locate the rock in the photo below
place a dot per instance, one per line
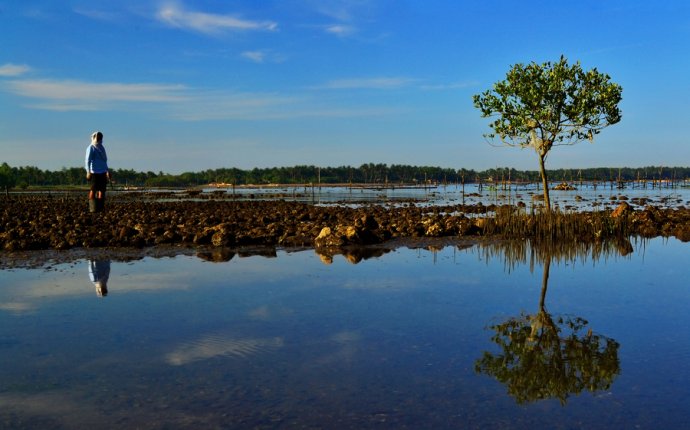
(622, 209)
(326, 238)
(682, 233)
(345, 235)
(465, 227)
(349, 233)
(204, 237)
(369, 222)
(433, 228)
(483, 224)
(32, 222)
(329, 238)
(564, 186)
(126, 232)
(222, 238)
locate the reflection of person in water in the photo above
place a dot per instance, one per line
(99, 272)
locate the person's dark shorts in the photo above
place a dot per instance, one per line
(99, 182)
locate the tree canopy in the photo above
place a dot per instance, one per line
(7, 179)
(549, 104)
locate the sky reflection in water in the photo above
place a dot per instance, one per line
(392, 342)
(587, 196)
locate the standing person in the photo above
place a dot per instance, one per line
(97, 172)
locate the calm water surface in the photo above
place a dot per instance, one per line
(586, 196)
(413, 338)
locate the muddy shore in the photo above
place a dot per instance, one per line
(62, 222)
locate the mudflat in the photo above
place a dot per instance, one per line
(62, 221)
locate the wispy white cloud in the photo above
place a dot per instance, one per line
(213, 105)
(380, 83)
(255, 56)
(346, 15)
(13, 70)
(390, 83)
(341, 30)
(175, 15)
(291, 112)
(262, 56)
(210, 106)
(99, 15)
(184, 103)
(341, 10)
(65, 95)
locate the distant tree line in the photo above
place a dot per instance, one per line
(370, 173)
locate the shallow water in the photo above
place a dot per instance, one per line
(392, 342)
(586, 196)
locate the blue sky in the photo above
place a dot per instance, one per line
(191, 85)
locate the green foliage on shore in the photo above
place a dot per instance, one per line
(29, 176)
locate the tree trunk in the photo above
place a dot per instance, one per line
(545, 183)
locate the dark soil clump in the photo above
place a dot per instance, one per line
(58, 222)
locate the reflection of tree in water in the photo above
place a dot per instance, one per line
(528, 252)
(544, 356)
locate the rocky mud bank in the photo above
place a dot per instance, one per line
(45, 222)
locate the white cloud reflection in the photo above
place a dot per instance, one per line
(17, 307)
(211, 346)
